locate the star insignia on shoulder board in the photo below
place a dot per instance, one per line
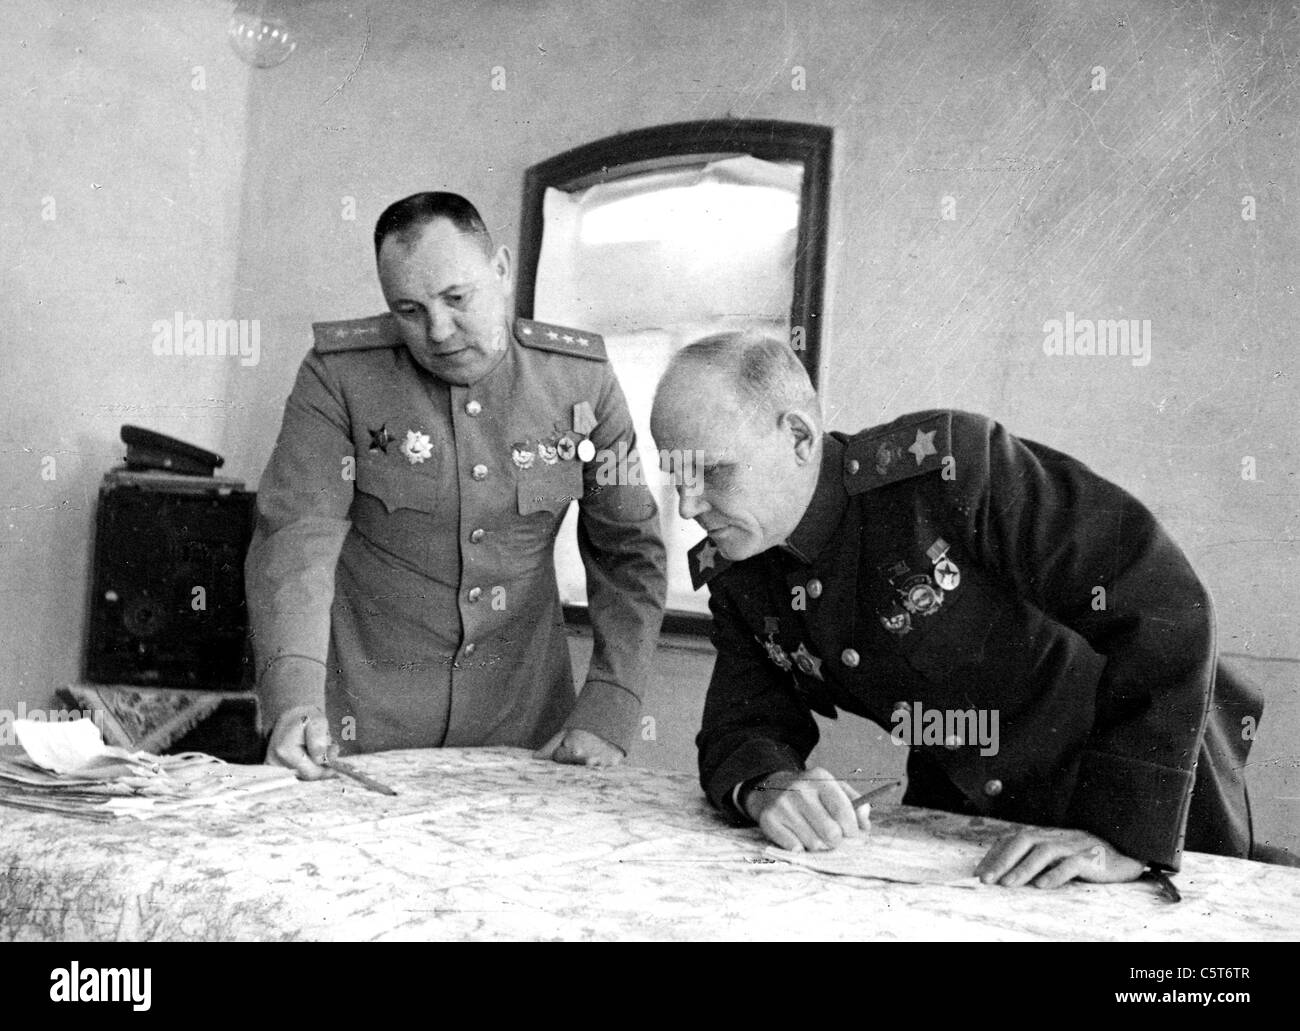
(923, 445)
(552, 335)
(877, 457)
(380, 439)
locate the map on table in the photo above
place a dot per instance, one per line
(889, 858)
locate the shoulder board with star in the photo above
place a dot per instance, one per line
(907, 447)
(706, 562)
(356, 334)
(546, 337)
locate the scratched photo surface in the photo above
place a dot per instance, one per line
(1078, 219)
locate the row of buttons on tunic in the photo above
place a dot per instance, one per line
(479, 472)
(992, 788)
(852, 659)
(849, 656)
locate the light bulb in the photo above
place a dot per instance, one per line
(259, 33)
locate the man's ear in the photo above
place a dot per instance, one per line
(503, 264)
(803, 430)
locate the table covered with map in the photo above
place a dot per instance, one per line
(493, 844)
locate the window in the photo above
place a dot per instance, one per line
(659, 237)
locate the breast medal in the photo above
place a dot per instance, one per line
(946, 573)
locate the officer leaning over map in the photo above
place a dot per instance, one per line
(400, 582)
(941, 563)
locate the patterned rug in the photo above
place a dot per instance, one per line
(147, 719)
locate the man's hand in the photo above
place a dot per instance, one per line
(809, 810)
(581, 748)
(300, 740)
(1048, 857)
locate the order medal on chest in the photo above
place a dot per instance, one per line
(559, 443)
(787, 649)
(916, 587)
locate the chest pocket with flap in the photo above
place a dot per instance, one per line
(549, 488)
(397, 487)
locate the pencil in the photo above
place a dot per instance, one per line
(862, 800)
(347, 769)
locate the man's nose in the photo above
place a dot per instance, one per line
(441, 324)
(690, 503)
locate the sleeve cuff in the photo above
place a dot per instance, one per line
(607, 711)
(1139, 807)
(289, 681)
(757, 757)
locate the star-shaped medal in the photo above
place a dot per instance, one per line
(923, 445)
(380, 439)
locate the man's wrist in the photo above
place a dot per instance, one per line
(743, 791)
(289, 681)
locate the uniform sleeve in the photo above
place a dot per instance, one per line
(623, 554)
(753, 724)
(1091, 556)
(302, 518)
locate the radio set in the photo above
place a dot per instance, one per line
(167, 604)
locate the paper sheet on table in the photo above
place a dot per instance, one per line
(68, 746)
(886, 858)
(69, 770)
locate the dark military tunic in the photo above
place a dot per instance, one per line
(944, 564)
(405, 541)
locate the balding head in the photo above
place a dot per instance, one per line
(742, 405)
(752, 374)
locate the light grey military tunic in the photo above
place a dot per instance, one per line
(405, 541)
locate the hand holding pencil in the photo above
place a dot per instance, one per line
(809, 810)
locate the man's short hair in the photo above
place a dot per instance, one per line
(407, 218)
(764, 370)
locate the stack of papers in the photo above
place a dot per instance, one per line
(69, 770)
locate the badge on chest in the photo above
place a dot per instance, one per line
(800, 663)
(918, 593)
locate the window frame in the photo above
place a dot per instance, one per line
(691, 143)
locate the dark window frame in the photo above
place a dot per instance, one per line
(634, 152)
(662, 146)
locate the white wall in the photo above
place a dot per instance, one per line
(144, 174)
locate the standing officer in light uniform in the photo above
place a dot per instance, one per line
(400, 582)
(940, 561)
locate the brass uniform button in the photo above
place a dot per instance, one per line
(854, 466)
(475, 593)
(473, 408)
(993, 788)
(850, 658)
(477, 536)
(479, 472)
(814, 588)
